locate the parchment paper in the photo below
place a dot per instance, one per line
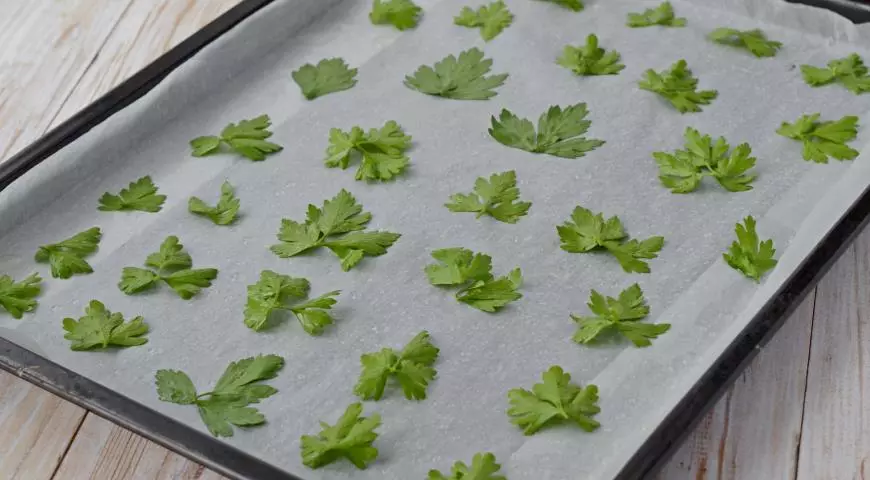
(387, 300)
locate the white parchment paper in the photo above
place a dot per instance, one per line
(387, 300)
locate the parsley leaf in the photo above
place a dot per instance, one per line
(849, 71)
(329, 76)
(559, 132)
(275, 292)
(224, 213)
(556, 400)
(472, 273)
(247, 138)
(483, 467)
(229, 403)
(381, 151)
(18, 298)
(586, 232)
(100, 328)
(351, 437)
(749, 255)
(496, 197)
(590, 59)
(575, 5)
(491, 18)
(662, 15)
(139, 195)
(753, 40)
(172, 265)
(619, 315)
(462, 78)
(822, 140)
(339, 216)
(402, 14)
(683, 170)
(412, 367)
(66, 257)
(678, 86)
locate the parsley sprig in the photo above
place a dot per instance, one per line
(381, 151)
(822, 140)
(620, 315)
(492, 19)
(171, 264)
(849, 72)
(483, 467)
(678, 86)
(330, 75)
(66, 257)
(753, 40)
(100, 328)
(247, 138)
(497, 197)
(590, 59)
(412, 368)
(586, 232)
(575, 5)
(402, 14)
(559, 132)
(140, 195)
(229, 402)
(662, 15)
(472, 272)
(282, 292)
(748, 254)
(462, 78)
(683, 170)
(555, 400)
(224, 213)
(338, 226)
(351, 437)
(18, 298)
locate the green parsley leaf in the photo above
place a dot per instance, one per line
(822, 140)
(491, 18)
(329, 76)
(496, 197)
(472, 273)
(620, 315)
(483, 467)
(172, 265)
(586, 232)
(381, 151)
(339, 216)
(66, 257)
(412, 368)
(849, 71)
(247, 138)
(753, 40)
(224, 213)
(662, 15)
(575, 5)
(351, 437)
(402, 14)
(683, 170)
(229, 403)
(139, 195)
(590, 59)
(277, 292)
(18, 298)
(559, 132)
(462, 78)
(678, 86)
(749, 255)
(100, 328)
(556, 400)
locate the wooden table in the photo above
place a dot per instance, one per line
(801, 411)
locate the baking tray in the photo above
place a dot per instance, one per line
(140, 128)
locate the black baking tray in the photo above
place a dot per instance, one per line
(234, 463)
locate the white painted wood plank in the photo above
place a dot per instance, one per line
(754, 430)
